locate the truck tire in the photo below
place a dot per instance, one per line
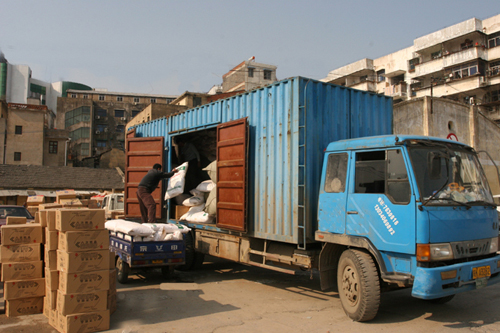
(358, 284)
(123, 270)
(190, 253)
(167, 272)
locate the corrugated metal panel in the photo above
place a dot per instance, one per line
(291, 122)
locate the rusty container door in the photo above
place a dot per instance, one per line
(232, 170)
(142, 154)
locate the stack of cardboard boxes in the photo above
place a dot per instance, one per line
(33, 202)
(79, 283)
(20, 253)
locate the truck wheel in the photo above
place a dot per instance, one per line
(199, 258)
(442, 300)
(123, 270)
(358, 285)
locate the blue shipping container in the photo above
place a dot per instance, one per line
(291, 122)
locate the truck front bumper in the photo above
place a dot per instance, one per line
(431, 283)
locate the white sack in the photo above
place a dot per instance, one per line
(211, 169)
(180, 198)
(200, 217)
(129, 228)
(175, 236)
(192, 210)
(170, 228)
(206, 186)
(197, 199)
(211, 204)
(176, 182)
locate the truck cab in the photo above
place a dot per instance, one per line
(113, 205)
(420, 207)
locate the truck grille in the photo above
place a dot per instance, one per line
(467, 249)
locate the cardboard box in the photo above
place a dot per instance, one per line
(22, 234)
(51, 219)
(46, 307)
(37, 218)
(50, 259)
(24, 288)
(80, 219)
(180, 210)
(49, 206)
(42, 217)
(73, 262)
(20, 253)
(85, 202)
(24, 306)
(51, 240)
(22, 270)
(84, 282)
(71, 202)
(51, 280)
(54, 318)
(35, 200)
(84, 322)
(75, 241)
(112, 260)
(65, 194)
(51, 296)
(112, 280)
(112, 303)
(82, 303)
(16, 220)
(94, 203)
(32, 210)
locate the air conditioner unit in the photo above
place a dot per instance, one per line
(123, 118)
(97, 132)
(483, 81)
(97, 117)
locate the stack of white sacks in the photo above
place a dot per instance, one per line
(203, 200)
(148, 232)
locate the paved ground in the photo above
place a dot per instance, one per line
(227, 297)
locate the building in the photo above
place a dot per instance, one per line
(27, 138)
(461, 62)
(248, 75)
(96, 121)
(155, 111)
(21, 181)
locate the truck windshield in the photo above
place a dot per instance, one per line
(448, 174)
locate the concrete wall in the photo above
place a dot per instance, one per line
(30, 142)
(155, 111)
(18, 77)
(59, 136)
(444, 118)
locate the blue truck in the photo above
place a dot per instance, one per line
(310, 176)
(134, 254)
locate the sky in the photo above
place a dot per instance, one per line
(169, 47)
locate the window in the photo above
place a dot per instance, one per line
(119, 113)
(336, 171)
(381, 75)
(135, 113)
(19, 130)
(85, 96)
(153, 100)
(17, 156)
(267, 74)
(436, 55)
(101, 113)
(73, 95)
(120, 128)
(196, 101)
(78, 115)
(80, 133)
(101, 143)
(52, 147)
(383, 172)
(464, 71)
(101, 97)
(84, 149)
(466, 45)
(136, 99)
(101, 128)
(493, 42)
(250, 71)
(119, 98)
(412, 63)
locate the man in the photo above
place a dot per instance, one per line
(147, 185)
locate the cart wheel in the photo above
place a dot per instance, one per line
(122, 270)
(199, 258)
(189, 243)
(166, 271)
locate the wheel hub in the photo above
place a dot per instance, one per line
(350, 284)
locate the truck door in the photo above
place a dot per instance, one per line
(232, 152)
(380, 204)
(332, 195)
(142, 154)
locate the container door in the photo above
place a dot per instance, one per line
(142, 154)
(232, 153)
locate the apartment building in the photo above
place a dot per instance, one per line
(460, 62)
(97, 119)
(248, 75)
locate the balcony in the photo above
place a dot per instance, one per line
(365, 85)
(454, 86)
(464, 56)
(397, 90)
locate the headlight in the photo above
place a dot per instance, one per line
(494, 245)
(441, 252)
